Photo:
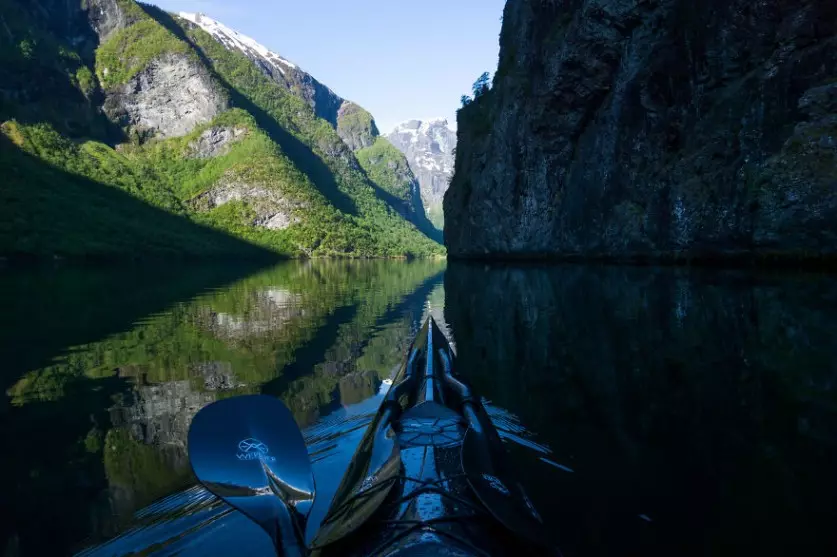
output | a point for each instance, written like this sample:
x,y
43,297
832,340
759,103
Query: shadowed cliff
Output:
x,y
635,130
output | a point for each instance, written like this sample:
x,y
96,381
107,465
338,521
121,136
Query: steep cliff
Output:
x,y
354,124
429,147
671,128
109,106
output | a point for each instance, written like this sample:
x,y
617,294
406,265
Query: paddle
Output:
x,y
485,463
248,451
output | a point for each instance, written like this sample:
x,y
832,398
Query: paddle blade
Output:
x,y
248,451
485,465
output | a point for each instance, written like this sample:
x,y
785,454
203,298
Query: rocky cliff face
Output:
x,y
169,98
108,16
355,126
429,147
653,128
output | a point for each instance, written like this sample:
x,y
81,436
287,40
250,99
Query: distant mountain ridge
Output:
x,y
429,146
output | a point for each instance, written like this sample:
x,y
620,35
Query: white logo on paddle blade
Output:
x,y
249,445
495,482
253,449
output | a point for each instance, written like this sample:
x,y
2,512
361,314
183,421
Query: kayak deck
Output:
x,y
429,477
406,491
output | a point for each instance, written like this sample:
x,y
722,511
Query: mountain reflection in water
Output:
x,y
649,411
95,425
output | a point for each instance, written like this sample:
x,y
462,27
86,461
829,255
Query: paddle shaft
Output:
x,y
288,534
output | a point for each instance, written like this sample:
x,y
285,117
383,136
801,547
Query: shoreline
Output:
x,y
8,261
706,260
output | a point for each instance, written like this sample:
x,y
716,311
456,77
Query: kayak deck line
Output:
x,y
431,504
430,475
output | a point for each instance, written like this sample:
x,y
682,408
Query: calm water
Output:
x,y
650,411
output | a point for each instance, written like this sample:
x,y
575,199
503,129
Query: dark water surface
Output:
x,y
650,411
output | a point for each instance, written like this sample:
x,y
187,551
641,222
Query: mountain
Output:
x,y
127,131
355,125
670,129
320,98
325,103
429,147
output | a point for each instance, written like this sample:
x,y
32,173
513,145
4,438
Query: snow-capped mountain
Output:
x,y
233,39
429,148
324,101
432,143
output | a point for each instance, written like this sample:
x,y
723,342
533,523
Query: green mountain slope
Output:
x,y
388,168
164,113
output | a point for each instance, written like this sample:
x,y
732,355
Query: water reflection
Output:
x,y
650,411
690,413
99,431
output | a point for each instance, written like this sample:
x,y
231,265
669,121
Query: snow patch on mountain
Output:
x,y
436,129
232,39
428,145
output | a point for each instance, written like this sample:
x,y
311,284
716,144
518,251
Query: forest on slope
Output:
x,y
127,131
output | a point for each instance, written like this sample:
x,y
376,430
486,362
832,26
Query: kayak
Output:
x,y
407,490
429,477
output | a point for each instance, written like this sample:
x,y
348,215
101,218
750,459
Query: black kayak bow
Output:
x,y
430,476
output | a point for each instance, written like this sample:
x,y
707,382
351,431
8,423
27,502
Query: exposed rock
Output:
x,y
796,190
215,142
169,98
640,128
217,376
108,16
272,209
271,310
429,147
355,126
161,414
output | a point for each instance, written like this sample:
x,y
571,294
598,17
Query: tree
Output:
x,y
481,85
466,100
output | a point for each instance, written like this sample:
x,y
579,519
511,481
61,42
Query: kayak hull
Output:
x,y
411,489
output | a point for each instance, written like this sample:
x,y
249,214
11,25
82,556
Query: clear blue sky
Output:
x,y
399,59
